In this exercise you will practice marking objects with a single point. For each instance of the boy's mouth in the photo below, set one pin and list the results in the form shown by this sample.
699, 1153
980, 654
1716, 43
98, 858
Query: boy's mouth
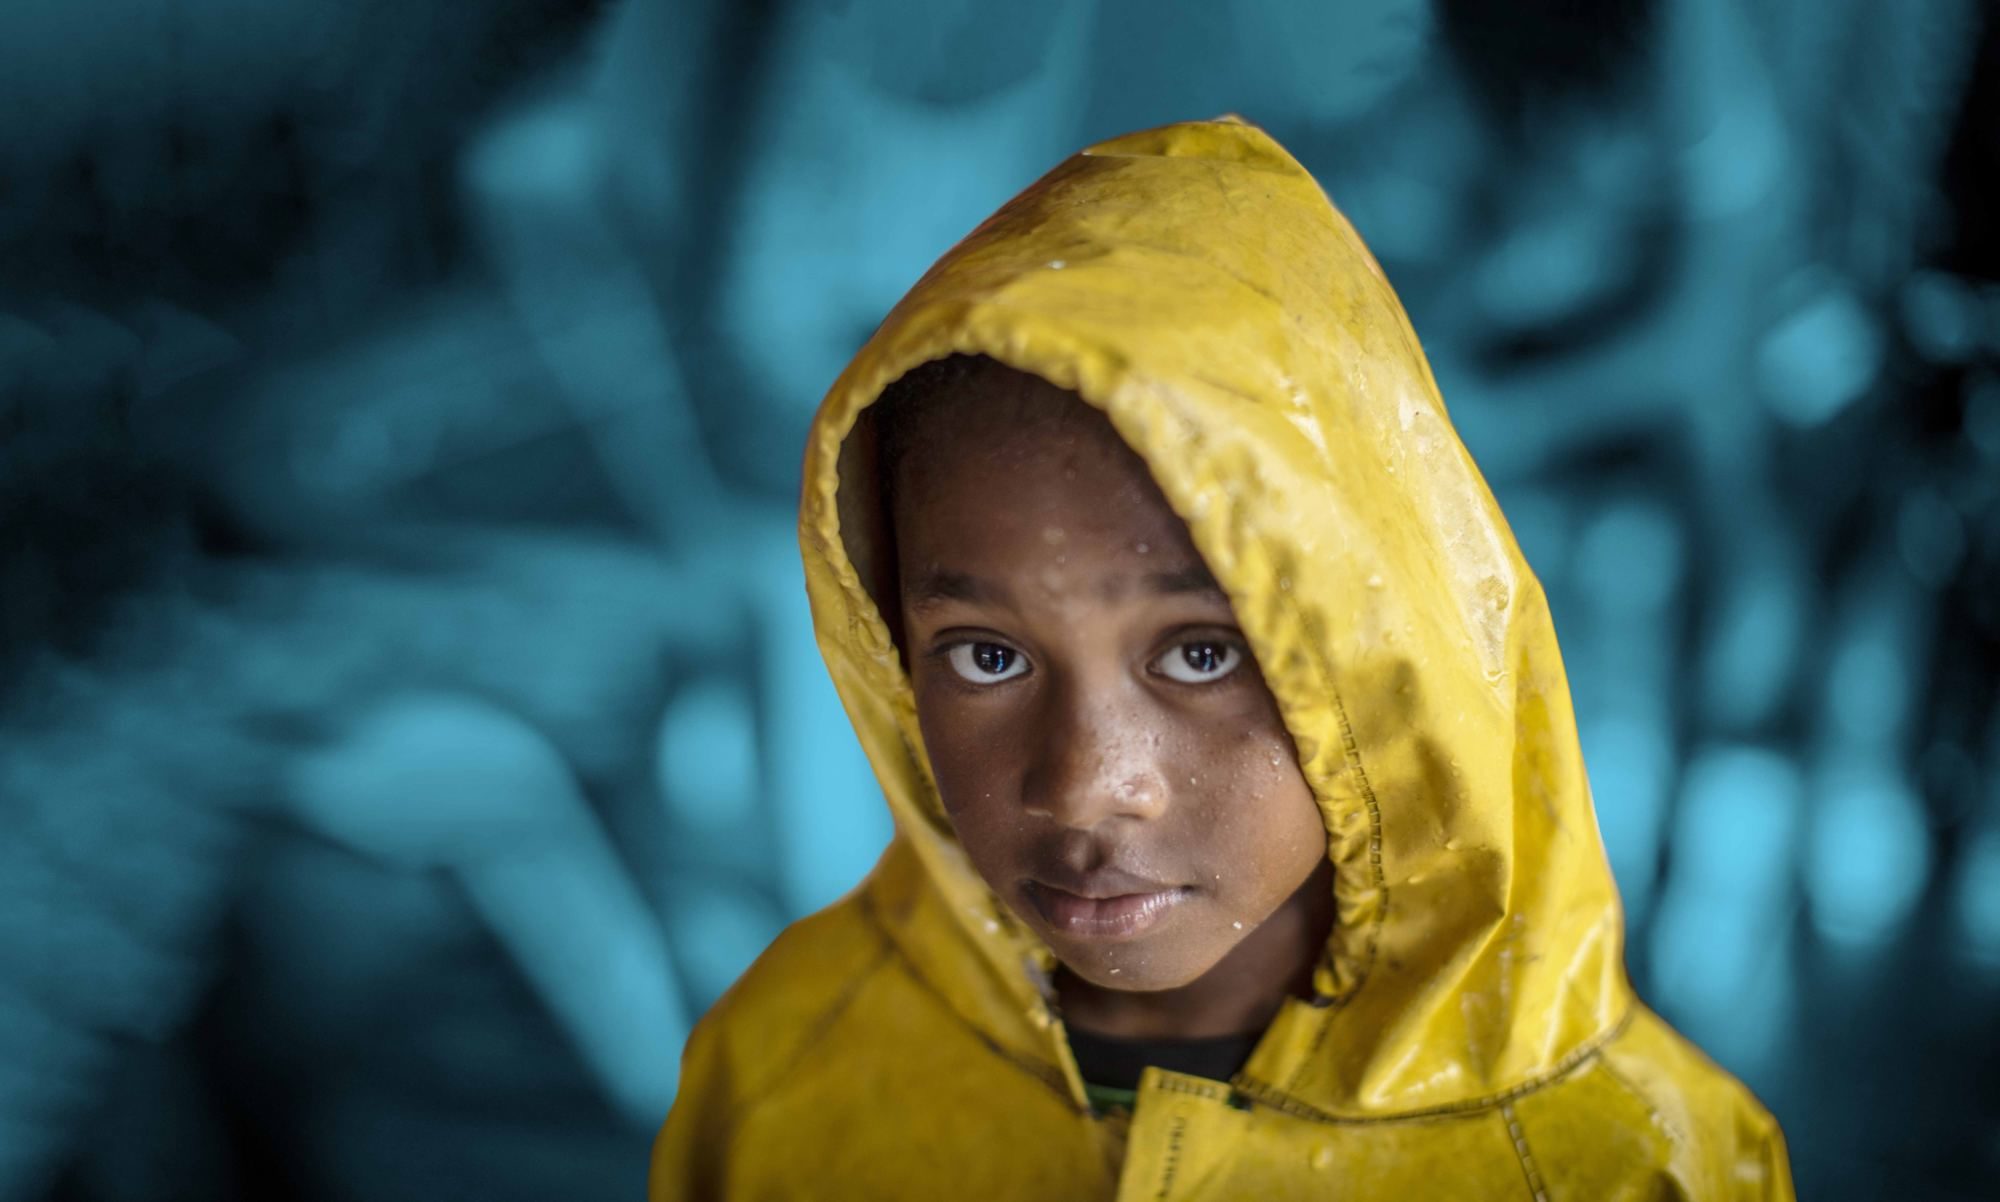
1111, 905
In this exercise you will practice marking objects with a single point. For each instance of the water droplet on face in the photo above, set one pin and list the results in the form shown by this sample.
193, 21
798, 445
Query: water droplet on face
1284, 584
992, 927
1237, 925
1058, 265
1451, 845
1114, 972
1142, 548
1375, 581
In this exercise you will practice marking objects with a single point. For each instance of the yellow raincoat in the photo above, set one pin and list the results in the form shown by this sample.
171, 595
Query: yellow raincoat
1475, 1035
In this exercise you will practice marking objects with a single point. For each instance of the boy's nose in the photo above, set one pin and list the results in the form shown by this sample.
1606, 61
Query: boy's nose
1097, 763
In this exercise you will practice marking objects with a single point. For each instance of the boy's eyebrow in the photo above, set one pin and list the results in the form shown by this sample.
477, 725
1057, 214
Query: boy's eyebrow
937, 585
1194, 579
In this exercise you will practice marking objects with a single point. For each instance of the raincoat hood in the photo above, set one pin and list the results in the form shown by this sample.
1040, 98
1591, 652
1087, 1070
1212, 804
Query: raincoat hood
1195, 284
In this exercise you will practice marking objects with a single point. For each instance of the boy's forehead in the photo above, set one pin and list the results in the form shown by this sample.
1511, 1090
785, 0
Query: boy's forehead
1013, 424
1064, 478
1005, 482
1014, 509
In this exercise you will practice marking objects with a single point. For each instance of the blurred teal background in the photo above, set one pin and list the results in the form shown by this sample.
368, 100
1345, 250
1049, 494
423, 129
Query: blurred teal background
411, 717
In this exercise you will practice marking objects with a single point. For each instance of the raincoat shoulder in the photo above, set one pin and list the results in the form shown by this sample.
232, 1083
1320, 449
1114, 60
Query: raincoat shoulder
833, 1069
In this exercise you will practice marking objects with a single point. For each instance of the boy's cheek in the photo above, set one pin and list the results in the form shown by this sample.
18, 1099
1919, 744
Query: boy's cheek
983, 836
993, 845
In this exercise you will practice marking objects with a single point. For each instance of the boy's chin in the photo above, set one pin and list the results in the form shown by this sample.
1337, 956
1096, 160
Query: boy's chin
1133, 969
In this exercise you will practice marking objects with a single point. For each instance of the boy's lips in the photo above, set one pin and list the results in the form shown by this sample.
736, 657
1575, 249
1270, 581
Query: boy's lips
1107, 904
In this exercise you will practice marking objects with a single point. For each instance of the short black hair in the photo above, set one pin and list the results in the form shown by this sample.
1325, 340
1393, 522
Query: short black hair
899, 433
905, 416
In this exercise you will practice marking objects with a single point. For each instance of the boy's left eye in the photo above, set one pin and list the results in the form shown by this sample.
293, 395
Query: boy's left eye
1199, 661
985, 663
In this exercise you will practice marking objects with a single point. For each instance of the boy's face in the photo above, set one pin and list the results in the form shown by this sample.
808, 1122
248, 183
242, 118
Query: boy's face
1103, 741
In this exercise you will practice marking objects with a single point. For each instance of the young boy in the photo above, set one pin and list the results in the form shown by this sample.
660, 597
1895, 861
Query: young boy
1243, 845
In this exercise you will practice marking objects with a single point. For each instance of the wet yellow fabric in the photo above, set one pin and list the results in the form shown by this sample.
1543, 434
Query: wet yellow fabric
1476, 1036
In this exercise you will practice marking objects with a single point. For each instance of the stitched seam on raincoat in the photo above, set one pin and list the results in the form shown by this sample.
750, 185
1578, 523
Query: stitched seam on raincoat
1524, 1154
1172, 1161
812, 1038
1351, 751
1210, 1092
1046, 1074
1276, 1099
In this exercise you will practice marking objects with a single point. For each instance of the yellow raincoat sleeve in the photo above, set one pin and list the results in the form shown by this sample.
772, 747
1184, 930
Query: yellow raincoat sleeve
752, 1051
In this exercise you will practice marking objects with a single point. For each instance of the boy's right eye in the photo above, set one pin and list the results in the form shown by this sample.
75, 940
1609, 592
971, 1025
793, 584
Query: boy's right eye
985, 663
